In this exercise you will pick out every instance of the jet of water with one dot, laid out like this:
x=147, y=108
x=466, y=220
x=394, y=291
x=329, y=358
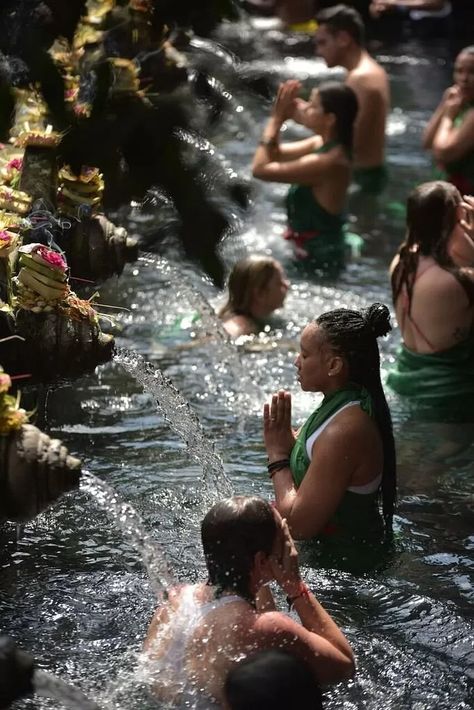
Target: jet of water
x=130, y=523
x=225, y=351
x=181, y=419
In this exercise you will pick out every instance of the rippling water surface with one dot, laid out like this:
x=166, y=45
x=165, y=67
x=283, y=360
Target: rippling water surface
x=73, y=589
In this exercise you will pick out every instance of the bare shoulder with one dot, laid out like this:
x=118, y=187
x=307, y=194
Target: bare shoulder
x=352, y=427
x=368, y=76
x=239, y=325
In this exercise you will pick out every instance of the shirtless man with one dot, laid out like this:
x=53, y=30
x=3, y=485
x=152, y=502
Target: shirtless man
x=340, y=42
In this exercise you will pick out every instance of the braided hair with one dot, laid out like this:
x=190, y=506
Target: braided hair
x=431, y=219
x=353, y=335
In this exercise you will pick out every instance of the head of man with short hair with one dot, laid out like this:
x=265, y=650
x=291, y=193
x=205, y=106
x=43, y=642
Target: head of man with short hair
x=340, y=29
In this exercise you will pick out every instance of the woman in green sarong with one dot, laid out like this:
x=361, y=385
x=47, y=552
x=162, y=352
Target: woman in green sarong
x=329, y=478
x=319, y=167
x=434, y=301
x=450, y=132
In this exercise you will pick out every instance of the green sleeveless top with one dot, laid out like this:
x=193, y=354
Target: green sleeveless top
x=318, y=231
x=357, y=516
x=460, y=172
x=442, y=381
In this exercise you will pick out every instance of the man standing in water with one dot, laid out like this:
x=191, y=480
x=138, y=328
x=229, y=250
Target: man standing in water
x=340, y=42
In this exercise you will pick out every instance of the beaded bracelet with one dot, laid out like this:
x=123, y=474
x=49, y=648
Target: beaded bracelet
x=277, y=466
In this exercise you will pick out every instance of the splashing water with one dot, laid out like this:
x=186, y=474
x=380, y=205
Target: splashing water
x=130, y=523
x=225, y=351
x=49, y=686
x=181, y=418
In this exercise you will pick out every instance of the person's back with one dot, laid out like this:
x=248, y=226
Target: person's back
x=202, y=630
x=440, y=315
x=434, y=300
x=339, y=40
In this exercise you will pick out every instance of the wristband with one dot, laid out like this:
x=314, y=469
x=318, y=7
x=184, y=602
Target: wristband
x=303, y=592
x=277, y=466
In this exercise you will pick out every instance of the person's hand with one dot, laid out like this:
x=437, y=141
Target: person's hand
x=284, y=562
x=452, y=101
x=378, y=7
x=277, y=432
x=467, y=222
x=284, y=106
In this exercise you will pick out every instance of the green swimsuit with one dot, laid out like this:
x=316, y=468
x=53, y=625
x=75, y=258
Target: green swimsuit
x=357, y=518
x=317, y=235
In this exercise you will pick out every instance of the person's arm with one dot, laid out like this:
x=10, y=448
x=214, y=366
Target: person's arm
x=450, y=142
x=371, y=105
x=432, y=126
x=416, y=4
x=318, y=640
x=461, y=245
x=334, y=460
x=283, y=163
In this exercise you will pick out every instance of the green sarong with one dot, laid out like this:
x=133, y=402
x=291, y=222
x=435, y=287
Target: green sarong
x=357, y=518
x=371, y=181
x=442, y=381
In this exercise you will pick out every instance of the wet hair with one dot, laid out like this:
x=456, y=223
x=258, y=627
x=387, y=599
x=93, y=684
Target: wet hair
x=272, y=680
x=353, y=335
x=232, y=532
x=339, y=99
x=249, y=274
x=431, y=218
x=342, y=18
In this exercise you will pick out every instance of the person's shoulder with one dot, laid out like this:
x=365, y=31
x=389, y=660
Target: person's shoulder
x=275, y=623
x=352, y=426
x=368, y=74
x=239, y=325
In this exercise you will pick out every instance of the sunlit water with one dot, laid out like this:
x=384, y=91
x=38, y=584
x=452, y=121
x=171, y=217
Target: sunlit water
x=73, y=588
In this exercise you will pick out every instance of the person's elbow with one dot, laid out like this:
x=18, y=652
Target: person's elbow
x=259, y=172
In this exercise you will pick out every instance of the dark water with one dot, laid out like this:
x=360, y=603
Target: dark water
x=73, y=589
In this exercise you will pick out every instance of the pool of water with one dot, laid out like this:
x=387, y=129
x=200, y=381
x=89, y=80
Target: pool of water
x=73, y=590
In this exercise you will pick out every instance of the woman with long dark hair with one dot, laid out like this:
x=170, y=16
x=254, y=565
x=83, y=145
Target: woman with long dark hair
x=329, y=478
x=319, y=168
x=203, y=630
x=433, y=294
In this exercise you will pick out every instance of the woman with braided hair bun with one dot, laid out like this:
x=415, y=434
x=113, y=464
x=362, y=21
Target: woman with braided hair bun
x=329, y=478
x=433, y=292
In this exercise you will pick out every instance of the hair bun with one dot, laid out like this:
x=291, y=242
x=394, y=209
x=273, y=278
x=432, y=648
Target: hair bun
x=377, y=319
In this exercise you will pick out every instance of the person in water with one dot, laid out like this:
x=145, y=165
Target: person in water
x=257, y=287
x=434, y=300
x=450, y=132
x=426, y=17
x=272, y=680
x=340, y=42
x=328, y=479
x=203, y=630
x=319, y=167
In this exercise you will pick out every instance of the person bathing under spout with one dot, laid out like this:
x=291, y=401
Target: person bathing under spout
x=328, y=479
x=204, y=630
x=319, y=167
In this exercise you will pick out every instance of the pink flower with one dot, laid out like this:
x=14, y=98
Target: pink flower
x=15, y=164
x=8, y=242
x=5, y=382
x=52, y=258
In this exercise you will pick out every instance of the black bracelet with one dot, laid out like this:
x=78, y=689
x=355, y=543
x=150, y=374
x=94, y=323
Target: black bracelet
x=277, y=466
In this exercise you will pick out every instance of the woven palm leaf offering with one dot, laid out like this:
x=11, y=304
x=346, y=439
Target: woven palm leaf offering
x=95, y=248
x=61, y=331
x=34, y=469
x=38, y=176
